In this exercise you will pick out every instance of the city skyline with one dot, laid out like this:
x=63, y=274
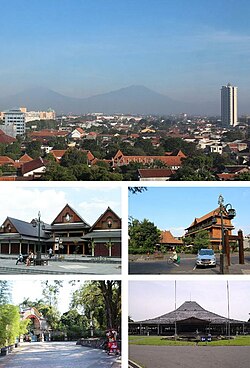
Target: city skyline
x=83, y=48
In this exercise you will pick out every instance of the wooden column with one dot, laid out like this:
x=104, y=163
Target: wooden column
x=227, y=248
x=241, y=247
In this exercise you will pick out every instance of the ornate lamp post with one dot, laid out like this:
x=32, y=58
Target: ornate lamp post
x=225, y=209
x=40, y=225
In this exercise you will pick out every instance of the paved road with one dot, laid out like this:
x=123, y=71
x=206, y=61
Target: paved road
x=186, y=266
x=9, y=266
x=190, y=356
x=57, y=355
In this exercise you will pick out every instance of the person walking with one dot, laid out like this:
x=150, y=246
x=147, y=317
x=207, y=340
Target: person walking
x=50, y=252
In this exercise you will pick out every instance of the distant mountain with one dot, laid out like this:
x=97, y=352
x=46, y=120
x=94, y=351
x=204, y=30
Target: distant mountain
x=129, y=100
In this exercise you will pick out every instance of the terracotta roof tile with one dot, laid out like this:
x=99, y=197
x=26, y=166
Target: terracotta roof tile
x=33, y=165
x=5, y=160
x=155, y=173
x=6, y=139
x=168, y=238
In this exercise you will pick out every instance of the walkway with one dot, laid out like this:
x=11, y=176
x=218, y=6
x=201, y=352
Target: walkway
x=57, y=355
x=70, y=265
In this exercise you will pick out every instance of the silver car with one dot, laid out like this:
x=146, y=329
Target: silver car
x=206, y=257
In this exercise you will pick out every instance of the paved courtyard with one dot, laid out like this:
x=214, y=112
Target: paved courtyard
x=58, y=355
x=190, y=356
x=70, y=265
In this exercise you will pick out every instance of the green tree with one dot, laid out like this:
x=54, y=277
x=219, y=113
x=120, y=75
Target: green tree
x=56, y=172
x=243, y=177
x=144, y=236
x=74, y=324
x=73, y=157
x=200, y=240
x=100, y=301
x=196, y=168
x=14, y=150
x=5, y=293
x=33, y=149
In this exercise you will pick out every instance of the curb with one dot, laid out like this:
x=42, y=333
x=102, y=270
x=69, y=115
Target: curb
x=132, y=364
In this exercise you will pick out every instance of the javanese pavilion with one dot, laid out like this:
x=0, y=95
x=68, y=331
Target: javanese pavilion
x=68, y=233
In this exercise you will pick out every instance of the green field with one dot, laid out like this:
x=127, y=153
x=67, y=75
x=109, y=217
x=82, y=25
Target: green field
x=157, y=340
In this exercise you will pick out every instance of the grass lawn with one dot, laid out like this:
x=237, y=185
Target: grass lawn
x=157, y=340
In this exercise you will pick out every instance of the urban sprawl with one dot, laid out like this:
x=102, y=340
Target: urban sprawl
x=40, y=145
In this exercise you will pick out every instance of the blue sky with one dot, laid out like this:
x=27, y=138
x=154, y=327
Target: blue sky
x=210, y=294
x=184, y=49
x=90, y=202
x=175, y=208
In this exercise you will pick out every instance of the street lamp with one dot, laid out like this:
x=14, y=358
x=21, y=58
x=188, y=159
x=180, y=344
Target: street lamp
x=38, y=223
x=224, y=209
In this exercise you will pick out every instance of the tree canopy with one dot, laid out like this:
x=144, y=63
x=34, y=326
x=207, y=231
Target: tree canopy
x=143, y=236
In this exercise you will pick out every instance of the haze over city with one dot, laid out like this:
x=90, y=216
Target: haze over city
x=185, y=50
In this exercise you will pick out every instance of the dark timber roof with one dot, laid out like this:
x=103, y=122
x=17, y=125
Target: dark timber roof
x=26, y=228
x=186, y=311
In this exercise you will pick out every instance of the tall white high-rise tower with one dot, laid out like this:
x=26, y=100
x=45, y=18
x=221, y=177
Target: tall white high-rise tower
x=229, y=102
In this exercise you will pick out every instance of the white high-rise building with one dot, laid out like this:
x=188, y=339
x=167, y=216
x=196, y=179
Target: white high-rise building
x=229, y=105
x=15, y=118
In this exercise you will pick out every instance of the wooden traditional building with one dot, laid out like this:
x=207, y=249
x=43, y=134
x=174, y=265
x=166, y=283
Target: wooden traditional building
x=169, y=241
x=69, y=233
x=190, y=319
x=17, y=236
x=211, y=222
x=67, y=230
x=104, y=237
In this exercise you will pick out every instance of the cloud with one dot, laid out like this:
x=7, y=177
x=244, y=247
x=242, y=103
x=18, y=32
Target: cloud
x=24, y=203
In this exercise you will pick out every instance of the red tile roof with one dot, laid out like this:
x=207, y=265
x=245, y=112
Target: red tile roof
x=5, y=160
x=25, y=158
x=49, y=133
x=33, y=165
x=169, y=160
x=6, y=139
x=197, y=220
x=155, y=173
x=168, y=238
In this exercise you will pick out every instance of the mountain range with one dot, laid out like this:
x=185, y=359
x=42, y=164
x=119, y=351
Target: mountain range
x=129, y=100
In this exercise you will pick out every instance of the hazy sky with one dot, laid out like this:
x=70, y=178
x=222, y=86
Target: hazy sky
x=90, y=202
x=175, y=208
x=33, y=291
x=185, y=49
x=149, y=299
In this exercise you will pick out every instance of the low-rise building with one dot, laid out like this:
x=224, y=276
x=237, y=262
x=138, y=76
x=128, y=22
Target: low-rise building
x=211, y=222
x=68, y=234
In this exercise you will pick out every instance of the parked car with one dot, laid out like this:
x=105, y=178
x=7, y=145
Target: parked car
x=206, y=257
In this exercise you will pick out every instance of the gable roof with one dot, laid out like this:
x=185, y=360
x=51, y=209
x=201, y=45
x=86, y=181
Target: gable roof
x=33, y=165
x=103, y=215
x=169, y=159
x=71, y=211
x=5, y=160
x=168, y=238
x=6, y=139
x=213, y=213
x=25, y=158
x=187, y=310
x=27, y=229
